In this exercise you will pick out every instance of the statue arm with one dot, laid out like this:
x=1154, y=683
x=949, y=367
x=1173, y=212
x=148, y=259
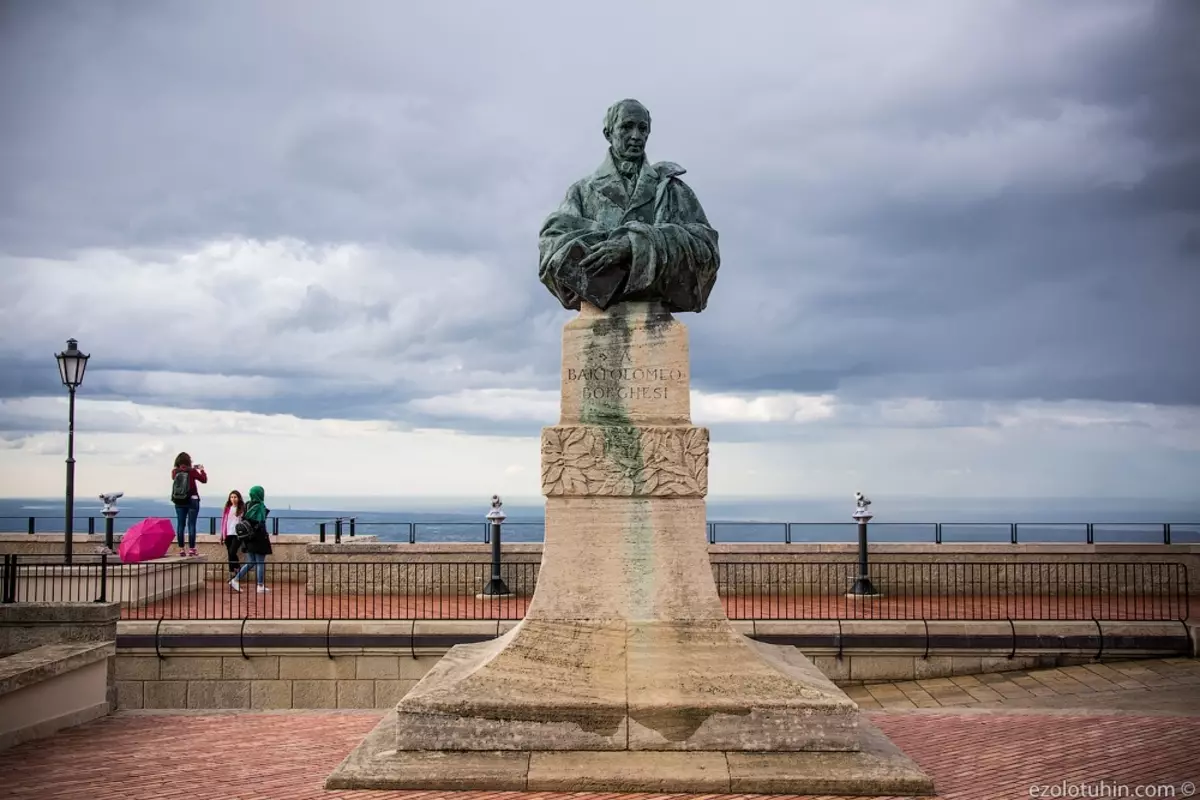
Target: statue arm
x=565, y=239
x=677, y=256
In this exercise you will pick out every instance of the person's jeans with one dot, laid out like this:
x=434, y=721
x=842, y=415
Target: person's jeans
x=187, y=514
x=259, y=562
x=232, y=545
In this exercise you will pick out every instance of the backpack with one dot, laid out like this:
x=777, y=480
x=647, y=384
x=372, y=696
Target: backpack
x=180, y=485
x=244, y=530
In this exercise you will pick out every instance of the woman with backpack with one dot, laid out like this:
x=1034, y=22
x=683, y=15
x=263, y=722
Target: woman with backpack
x=186, y=496
x=235, y=509
x=257, y=542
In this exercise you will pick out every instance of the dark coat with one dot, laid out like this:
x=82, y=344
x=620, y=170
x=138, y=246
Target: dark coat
x=260, y=543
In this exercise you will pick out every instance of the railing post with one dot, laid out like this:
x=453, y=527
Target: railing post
x=91, y=526
x=412, y=533
x=104, y=574
x=275, y=526
x=212, y=526
x=937, y=533
x=1091, y=534
x=496, y=587
x=31, y=525
x=1012, y=533
x=352, y=520
x=337, y=530
x=8, y=588
x=1166, y=533
x=787, y=533
x=321, y=532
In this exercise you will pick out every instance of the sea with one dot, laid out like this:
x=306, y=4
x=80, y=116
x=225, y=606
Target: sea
x=778, y=520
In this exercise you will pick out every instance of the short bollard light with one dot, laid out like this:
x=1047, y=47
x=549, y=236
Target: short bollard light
x=496, y=587
x=862, y=588
x=110, y=512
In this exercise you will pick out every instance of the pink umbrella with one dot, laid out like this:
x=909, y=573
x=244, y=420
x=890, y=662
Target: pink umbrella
x=146, y=540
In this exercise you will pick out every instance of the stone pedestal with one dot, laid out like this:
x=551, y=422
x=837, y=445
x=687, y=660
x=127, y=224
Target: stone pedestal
x=626, y=651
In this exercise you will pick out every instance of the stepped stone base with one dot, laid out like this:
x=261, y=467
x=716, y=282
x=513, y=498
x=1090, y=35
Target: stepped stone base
x=626, y=674
x=878, y=767
x=625, y=686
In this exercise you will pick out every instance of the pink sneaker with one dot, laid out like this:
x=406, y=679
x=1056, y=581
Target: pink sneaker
x=182, y=553
x=193, y=552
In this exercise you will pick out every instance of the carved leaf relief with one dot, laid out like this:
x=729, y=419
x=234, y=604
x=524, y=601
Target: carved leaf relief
x=654, y=461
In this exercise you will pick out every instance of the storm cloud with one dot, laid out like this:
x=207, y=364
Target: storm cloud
x=331, y=210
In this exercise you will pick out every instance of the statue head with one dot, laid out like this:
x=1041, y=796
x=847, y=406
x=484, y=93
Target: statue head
x=627, y=127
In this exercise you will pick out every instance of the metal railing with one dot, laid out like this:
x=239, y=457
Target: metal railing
x=781, y=590
x=957, y=590
x=336, y=529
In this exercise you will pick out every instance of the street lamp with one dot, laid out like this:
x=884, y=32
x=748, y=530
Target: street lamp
x=71, y=366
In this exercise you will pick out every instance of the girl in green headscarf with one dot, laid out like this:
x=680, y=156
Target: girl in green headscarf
x=258, y=546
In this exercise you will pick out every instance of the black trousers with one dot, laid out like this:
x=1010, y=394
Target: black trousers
x=232, y=546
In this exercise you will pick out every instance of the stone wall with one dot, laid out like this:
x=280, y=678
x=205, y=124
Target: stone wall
x=263, y=664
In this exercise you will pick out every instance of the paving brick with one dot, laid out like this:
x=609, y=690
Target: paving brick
x=970, y=757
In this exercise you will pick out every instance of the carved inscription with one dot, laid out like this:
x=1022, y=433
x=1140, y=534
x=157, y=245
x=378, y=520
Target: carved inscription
x=666, y=461
x=625, y=383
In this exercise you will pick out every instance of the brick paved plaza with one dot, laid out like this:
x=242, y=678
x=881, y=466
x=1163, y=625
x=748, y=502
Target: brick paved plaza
x=990, y=737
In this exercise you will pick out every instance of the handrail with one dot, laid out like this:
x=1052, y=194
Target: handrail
x=718, y=531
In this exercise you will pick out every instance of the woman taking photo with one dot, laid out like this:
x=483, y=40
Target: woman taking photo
x=185, y=494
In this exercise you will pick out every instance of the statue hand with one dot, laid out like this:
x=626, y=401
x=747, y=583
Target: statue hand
x=613, y=252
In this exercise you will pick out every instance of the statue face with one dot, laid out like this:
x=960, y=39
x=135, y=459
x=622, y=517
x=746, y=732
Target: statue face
x=628, y=137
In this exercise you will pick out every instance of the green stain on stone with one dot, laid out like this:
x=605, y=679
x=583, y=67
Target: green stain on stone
x=608, y=349
x=606, y=352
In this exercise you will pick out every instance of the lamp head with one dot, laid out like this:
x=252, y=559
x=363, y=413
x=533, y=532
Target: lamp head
x=72, y=364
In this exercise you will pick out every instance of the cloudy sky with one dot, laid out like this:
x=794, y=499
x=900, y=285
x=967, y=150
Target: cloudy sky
x=960, y=241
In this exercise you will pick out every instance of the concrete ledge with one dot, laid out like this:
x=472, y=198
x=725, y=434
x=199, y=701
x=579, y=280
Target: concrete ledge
x=52, y=687
x=49, y=661
x=24, y=626
x=268, y=664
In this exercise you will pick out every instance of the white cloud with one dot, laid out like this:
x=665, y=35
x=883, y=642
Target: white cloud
x=810, y=448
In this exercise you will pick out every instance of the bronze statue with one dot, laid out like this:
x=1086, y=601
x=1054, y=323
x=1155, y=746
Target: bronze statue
x=630, y=231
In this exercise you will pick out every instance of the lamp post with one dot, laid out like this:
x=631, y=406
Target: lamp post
x=71, y=366
x=496, y=587
x=862, y=515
